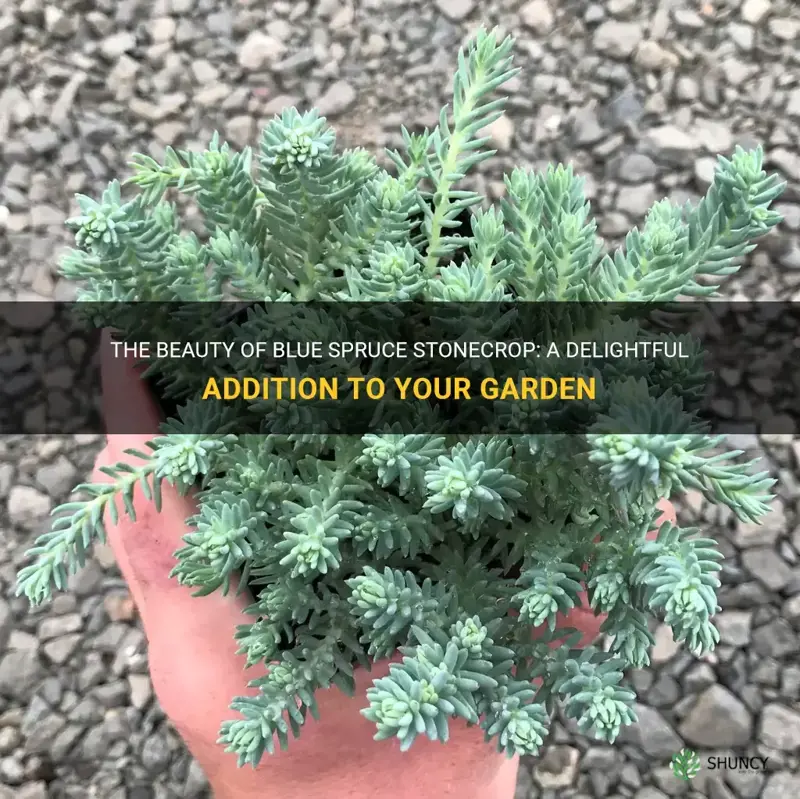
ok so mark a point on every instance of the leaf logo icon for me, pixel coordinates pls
(685, 764)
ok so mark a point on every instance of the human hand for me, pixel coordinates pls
(196, 672)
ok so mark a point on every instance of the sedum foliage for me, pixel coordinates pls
(447, 550)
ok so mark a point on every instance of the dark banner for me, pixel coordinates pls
(354, 368)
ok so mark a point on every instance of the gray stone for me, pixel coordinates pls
(780, 728)
(32, 790)
(653, 56)
(636, 168)
(787, 161)
(27, 507)
(603, 758)
(698, 677)
(6, 623)
(538, 16)
(734, 627)
(86, 580)
(18, 175)
(791, 259)
(501, 132)
(240, 130)
(52, 690)
(704, 171)
(525, 787)
(155, 754)
(625, 108)
(665, 647)
(43, 735)
(649, 792)
(10, 739)
(456, 10)
(671, 143)
(11, 772)
(112, 694)
(6, 477)
(621, 9)
(117, 723)
(122, 76)
(38, 709)
(715, 788)
(162, 29)
(339, 97)
(95, 744)
(118, 43)
(791, 609)
(665, 779)
(765, 532)
(259, 51)
(57, 478)
(687, 88)
(20, 673)
(196, 784)
(87, 712)
(776, 639)
(220, 23)
(636, 201)
(617, 39)
(746, 783)
(743, 36)
(297, 62)
(713, 135)
(42, 140)
(65, 742)
(614, 223)
(688, 18)
(557, 767)
(204, 71)
(767, 566)
(59, 24)
(717, 720)
(754, 12)
(782, 785)
(664, 692)
(60, 650)
(651, 733)
(54, 626)
(141, 690)
(9, 29)
(21, 641)
(586, 127)
(784, 28)
(46, 215)
(790, 683)
(343, 18)
(62, 107)
(793, 105)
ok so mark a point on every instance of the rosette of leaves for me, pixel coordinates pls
(449, 549)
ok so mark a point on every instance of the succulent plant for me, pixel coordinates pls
(449, 549)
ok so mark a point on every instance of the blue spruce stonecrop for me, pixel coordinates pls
(361, 547)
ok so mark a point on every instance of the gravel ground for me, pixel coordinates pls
(638, 94)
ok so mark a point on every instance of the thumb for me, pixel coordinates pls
(193, 661)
